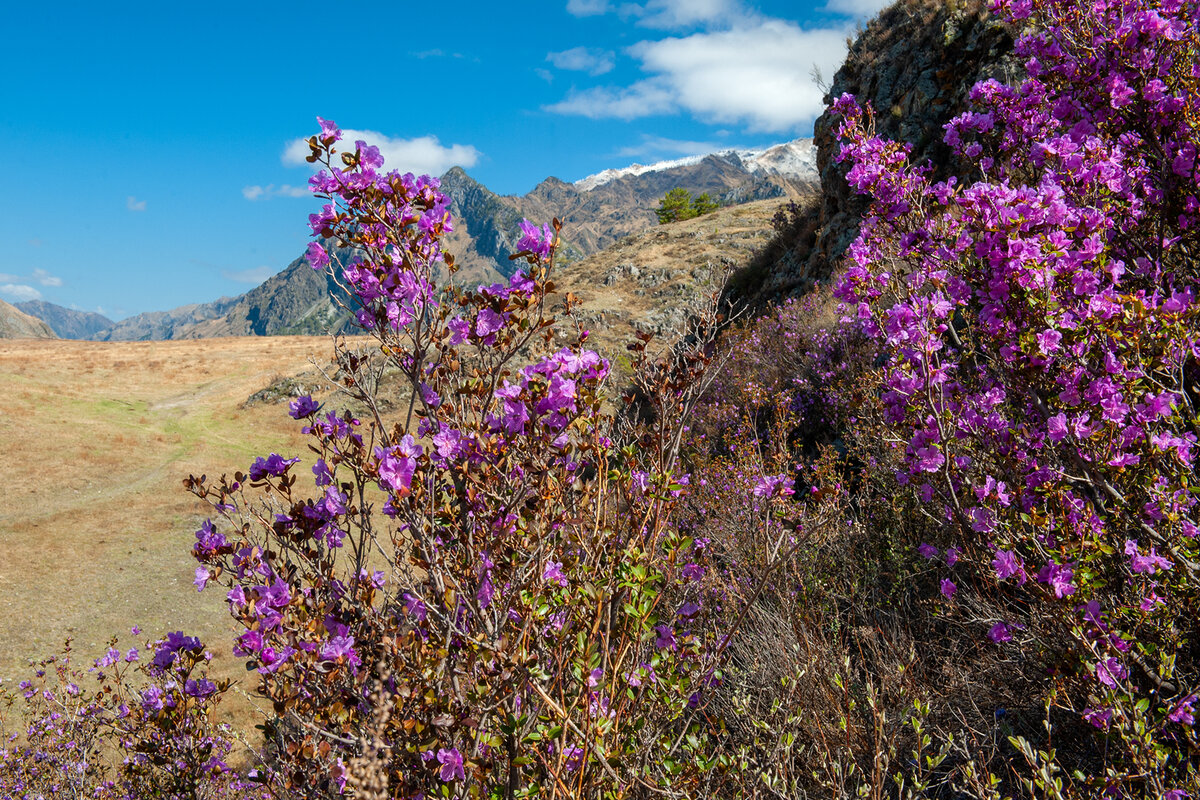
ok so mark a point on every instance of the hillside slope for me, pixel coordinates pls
(16, 324)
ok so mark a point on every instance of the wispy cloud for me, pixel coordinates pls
(271, 190)
(658, 145)
(422, 155)
(759, 76)
(133, 204)
(254, 275)
(19, 293)
(674, 14)
(544, 74)
(583, 59)
(45, 278)
(587, 8)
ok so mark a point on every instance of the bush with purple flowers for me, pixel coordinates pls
(488, 591)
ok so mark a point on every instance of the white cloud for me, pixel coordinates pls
(254, 275)
(687, 13)
(422, 155)
(658, 145)
(544, 74)
(133, 204)
(21, 287)
(856, 8)
(586, 8)
(642, 99)
(19, 293)
(583, 59)
(46, 279)
(271, 190)
(759, 76)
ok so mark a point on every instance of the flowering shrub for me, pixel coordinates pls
(136, 724)
(486, 593)
(1040, 325)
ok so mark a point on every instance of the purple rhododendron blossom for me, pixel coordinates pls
(414, 606)
(487, 323)
(692, 572)
(202, 578)
(538, 242)
(452, 765)
(317, 257)
(553, 573)
(274, 465)
(1110, 671)
(948, 588)
(772, 485)
(303, 407)
(1183, 713)
(398, 463)
(1000, 633)
(1007, 564)
(927, 551)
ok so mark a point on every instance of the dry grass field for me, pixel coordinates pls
(95, 526)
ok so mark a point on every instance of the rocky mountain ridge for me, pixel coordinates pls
(67, 323)
(297, 300)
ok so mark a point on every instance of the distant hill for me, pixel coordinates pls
(164, 324)
(596, 212)
(16, 324)
(67, 323)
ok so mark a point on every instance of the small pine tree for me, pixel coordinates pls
(703, 204)
(676, 205)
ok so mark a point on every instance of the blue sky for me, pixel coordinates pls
(150, 146)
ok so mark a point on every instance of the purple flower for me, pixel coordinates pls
(1109, 671)
(487, 323)
(1183, 713)
(199, 688)
(329, 129)
(948, 588)
(927, 550)
(208, 541)
(771, 485)
(398, 463)
(202, 578)
(538, 242)
(452, 765)
(692, 572)
(666, 637)
(339, 647)
(274, 464)
(554, 574)
(302, 407)
(1148, 564)
(1099, 719)
(1000, 633)
(1058, 577)
(317, 257)
(414, 607)
(1007, 564)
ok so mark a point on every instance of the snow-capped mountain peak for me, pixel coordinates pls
(797, 158)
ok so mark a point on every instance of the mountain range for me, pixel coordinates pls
(596, 211)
